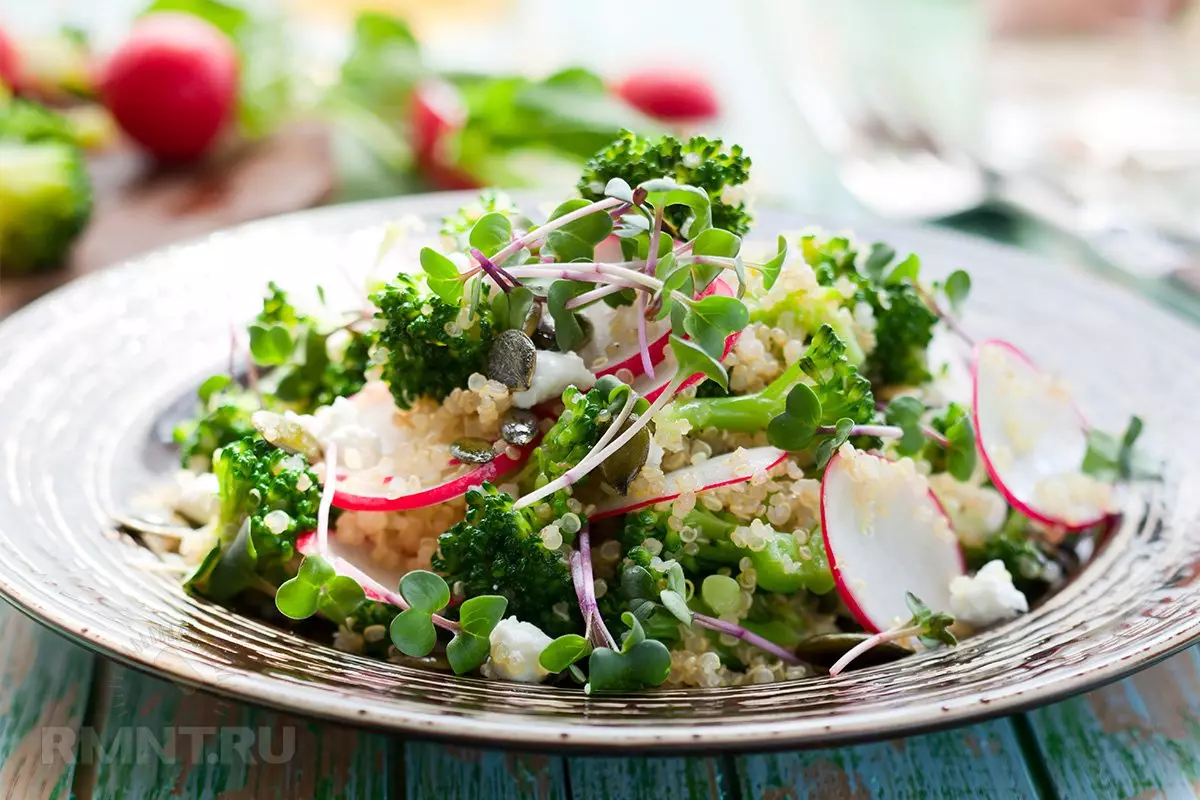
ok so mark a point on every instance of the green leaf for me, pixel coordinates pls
(520, 301)
(675, 603)
(648, 663)
(340, 597)
(297, 599)
(442, 276)
(622, 191)
(664, 192)
(480, 615)
(904, 272)
(712, 319)
(577, 240)
(226, 18)
(466, 652)
(905, 413)
(315, 571)
(1110, 459)
(796, 426)
(211, 386)
(568, 333)
(425, 591)
(413, 634)
(692, 359)
(880, 256)
(771, 269)
(491, 232)
(828, 447)
(563, 652)
(716, 242)
(960, 460)
(271, 345)
(634, 635)
(957, 288)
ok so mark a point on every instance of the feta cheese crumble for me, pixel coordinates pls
(554, 373)
(987, 597)
(196, 495)
(516, 646)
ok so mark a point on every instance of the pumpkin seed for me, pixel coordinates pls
(512, 360)
(519, 426)
(470, 450)
(287, 434)
(622, 467)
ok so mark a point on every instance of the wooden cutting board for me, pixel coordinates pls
(141, 206)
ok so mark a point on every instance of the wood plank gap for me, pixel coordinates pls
(1035, 758)
(731, 785)
(399, 787)
(567, 788)
(91, 730)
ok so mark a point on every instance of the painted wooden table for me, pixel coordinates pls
(74, 725)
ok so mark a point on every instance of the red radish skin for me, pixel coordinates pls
(993, 473)
(436, 114)
(10, 62)
(844, 589)
(671, 96)
(497, 467)
(306, 545)
(172, 85)
(770, 457)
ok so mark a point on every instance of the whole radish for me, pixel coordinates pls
(9, 62)
(436, 114)
(669, 96)
(172, 85)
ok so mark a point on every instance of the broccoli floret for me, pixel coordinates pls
(497, 550)
(426, 353)
(843, 392)
(45, 201)
(224, 418)
(256, 480)
(699, 162)
(903, 321)
(23, 121)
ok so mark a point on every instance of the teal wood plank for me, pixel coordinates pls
(445, 771)
(1136, 738)
(980, 761)
(44, 683)
(647, 778)
(159, 740)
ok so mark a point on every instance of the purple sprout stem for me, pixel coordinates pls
(643, 344)
(585, 590)
(538, 233)
(890, 635)
(882, 431)
(951, 322)
(619, 211)
(655, 234)
(502, 279)
(344, 567)
(593, 295)
(930, 433)
(572, 274)
(738, 632)
(594, 272)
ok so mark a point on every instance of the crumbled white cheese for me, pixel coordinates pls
(196, 495)
(354, 425)
(989, 596)
(516, 647)
(554, 373)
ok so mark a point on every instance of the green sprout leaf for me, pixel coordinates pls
(905, 413)
(716, 242)
(442, 276)
(297, 599)
(479, 616)
(828, 447)
(412, 633)
(340, 597)
(796, 426)
(1109, 458)
(271, 345)
(904, 272)
(622, 191)
(692, 359)
(771, 269)
(564, 652)
(641, 662)
(425, 591)
(721, 593)
(877, 260)
(675, 603)
(957, 288)
(960, 460)
(466, 652)
(491, 232)
(664, 193)
(712, 319)
(568, 333)
(576, 241)
(934, 625)
(211, 386)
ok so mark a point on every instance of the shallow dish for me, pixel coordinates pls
(92, 378)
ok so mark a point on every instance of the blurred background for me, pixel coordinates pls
(1068, 126)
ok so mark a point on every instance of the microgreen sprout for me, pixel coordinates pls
(931, 628)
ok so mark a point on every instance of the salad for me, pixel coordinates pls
(630, 447)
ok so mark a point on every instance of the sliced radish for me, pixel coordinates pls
(375, 580)
(886, 534)
(736, 467)
(629, 358)
(1033, 439)
(375, 497)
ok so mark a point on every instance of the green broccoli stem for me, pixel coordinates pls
(516, 245)
(748, 413)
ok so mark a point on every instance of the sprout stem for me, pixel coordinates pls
(643, 345)
(882, 431)
(595, 631)
(327, 493)
(599, 293)
(515, 246)
(738, 632)
(930, 433)
(344, 567)
(502, 279)
(951, 322)
(890, 635)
